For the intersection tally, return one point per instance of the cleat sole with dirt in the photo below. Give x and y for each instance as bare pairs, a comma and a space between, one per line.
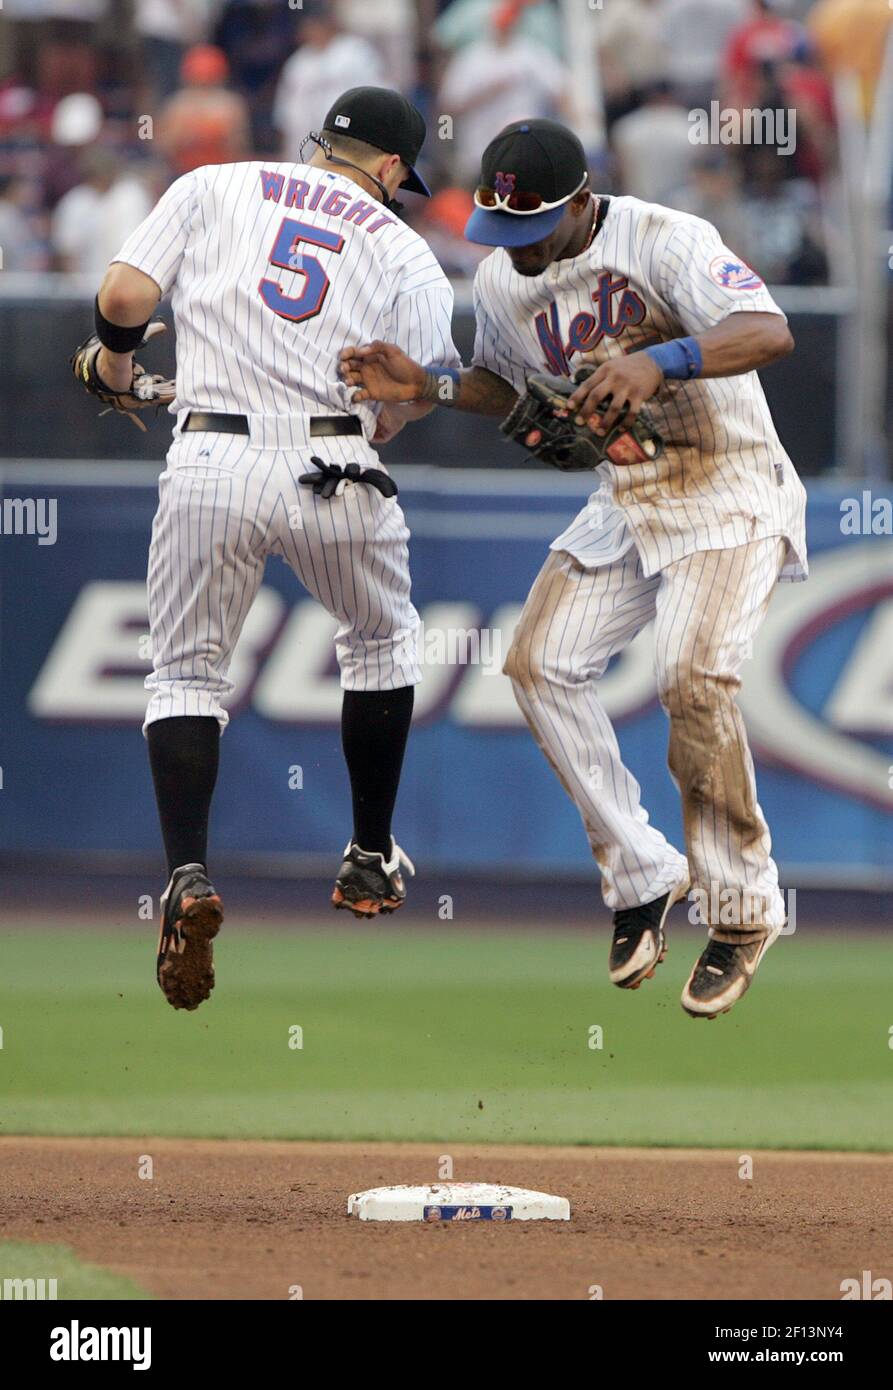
186, 974
364, 907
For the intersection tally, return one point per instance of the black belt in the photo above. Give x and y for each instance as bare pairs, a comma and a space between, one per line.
320, 425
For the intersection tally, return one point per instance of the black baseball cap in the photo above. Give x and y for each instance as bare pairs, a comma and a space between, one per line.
386, 120
535, 156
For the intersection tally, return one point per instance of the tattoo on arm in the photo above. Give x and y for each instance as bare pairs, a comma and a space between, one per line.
475, 390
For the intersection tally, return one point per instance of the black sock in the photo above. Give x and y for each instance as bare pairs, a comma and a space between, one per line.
374, 728
184, 753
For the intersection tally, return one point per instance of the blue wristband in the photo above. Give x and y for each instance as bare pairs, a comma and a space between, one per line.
441, 385
679, 360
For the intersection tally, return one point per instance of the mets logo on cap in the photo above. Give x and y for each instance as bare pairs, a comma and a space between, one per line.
504, 185
733, 275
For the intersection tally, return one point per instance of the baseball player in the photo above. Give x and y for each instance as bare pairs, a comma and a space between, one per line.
695, 537
273, 268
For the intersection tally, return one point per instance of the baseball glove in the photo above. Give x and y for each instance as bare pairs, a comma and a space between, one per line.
542, 424
145, 389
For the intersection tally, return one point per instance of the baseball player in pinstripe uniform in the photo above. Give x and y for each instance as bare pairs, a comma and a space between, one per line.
273, 268
694, 539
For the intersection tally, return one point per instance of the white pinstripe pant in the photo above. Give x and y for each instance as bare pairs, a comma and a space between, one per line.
225, 505
707, 609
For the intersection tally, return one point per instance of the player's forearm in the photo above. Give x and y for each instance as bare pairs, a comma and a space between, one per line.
744, 342
127, 299
473, 389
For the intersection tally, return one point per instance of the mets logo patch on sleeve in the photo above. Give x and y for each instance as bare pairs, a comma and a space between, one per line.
734, 275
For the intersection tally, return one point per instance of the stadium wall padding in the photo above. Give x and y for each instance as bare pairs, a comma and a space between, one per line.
817, 695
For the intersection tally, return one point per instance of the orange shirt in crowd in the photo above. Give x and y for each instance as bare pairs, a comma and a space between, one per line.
204, 125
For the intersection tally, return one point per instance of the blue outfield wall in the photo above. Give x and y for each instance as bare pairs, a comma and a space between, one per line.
817, 696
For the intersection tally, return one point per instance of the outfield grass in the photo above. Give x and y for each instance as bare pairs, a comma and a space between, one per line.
74, 1280
446, 1036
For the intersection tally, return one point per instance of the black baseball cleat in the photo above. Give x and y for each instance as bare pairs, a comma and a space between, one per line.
722, 973
368, 885
191, 913
639, 943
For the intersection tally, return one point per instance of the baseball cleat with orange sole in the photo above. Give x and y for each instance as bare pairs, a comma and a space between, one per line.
368, 885
191, 914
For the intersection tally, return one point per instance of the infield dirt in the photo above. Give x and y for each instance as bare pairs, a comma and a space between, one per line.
253, 1220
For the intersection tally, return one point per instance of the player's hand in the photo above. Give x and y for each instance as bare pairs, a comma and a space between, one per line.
629, 381
117, 371
381, 372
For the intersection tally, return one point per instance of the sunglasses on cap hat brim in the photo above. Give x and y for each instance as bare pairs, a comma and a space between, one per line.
495, 222
521, 204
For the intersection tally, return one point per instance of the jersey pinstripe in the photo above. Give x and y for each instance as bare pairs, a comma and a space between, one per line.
650, 275
274, 268
707, 609
695, 540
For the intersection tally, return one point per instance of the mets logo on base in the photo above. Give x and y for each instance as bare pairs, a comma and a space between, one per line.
467, 1213
733, 275
504, 185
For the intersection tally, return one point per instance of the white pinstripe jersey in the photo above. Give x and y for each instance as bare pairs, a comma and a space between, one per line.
274, 268
650, 275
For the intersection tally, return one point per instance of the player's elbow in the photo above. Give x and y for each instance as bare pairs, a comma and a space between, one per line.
779, 340
127, 296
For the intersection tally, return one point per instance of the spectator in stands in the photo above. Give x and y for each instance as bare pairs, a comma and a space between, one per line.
767, 39
20, 247
795, 117
464, 21
780, 231
695, 34
631, 53
53, 43
255, 35
653, 147
501, 77
713, 191
53, 40
326, 63
204, 123
91, 223
774, 226
391, 26
851, 37
22, 117
167, 29
805, 89
78, 122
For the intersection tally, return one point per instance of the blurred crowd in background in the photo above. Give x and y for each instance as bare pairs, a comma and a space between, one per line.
104, 102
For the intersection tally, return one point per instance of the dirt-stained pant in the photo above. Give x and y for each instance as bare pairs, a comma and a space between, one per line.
707, 609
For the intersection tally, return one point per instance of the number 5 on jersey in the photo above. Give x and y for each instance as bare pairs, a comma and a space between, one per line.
287, 256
